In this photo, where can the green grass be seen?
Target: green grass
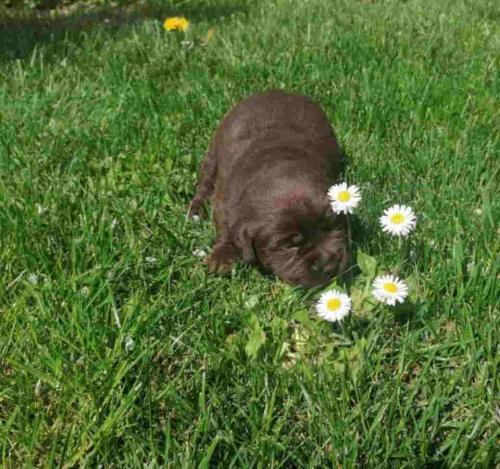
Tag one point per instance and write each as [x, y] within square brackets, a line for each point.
[101, 135]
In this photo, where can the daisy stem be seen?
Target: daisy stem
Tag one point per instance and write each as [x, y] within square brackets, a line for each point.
[404, 249]
[349, 243]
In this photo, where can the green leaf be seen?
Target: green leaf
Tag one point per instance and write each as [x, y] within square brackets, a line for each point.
[357, 298]
[256, 339]
[413, 287]
[367, 264]
[301, 340]
[332, 286]
[302, 316]
[278, 326]
[326, 352]
[205, 462]
[355, 354]
[362, 302]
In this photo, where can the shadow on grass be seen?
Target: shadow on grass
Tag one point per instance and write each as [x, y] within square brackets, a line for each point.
[406, 313]
[20, 33]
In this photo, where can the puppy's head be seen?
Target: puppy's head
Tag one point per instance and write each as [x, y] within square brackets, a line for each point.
[303, 241]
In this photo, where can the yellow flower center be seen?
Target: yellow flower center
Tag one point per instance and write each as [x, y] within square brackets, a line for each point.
[333, 304]
[344, 196]
[390, 287]
[397, 218]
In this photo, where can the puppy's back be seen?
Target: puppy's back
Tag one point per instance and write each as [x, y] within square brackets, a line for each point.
[267, 123]
[274, 114]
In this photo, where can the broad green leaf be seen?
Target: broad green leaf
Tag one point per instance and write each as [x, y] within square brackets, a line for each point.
[413, 287]
[256, 338]
[357, 298]
[355, 354]
[362, 302]
[367, 264]
[332, 286]
[278, 325]
[326, 352]
[301, 339]
[302, 316]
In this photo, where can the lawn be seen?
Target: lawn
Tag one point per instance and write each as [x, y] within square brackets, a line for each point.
[116, 347]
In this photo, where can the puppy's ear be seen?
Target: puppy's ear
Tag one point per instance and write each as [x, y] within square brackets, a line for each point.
[244, 242]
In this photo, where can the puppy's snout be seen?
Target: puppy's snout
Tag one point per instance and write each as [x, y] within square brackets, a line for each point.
[328, 261]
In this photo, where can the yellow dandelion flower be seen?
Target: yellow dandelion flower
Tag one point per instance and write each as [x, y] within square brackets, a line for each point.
[176, 23]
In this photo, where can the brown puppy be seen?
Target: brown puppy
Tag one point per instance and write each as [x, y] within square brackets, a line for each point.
[267, 171]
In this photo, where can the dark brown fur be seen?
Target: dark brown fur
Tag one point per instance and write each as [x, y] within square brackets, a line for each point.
[267, 171]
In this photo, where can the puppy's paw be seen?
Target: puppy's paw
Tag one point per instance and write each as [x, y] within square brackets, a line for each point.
[195, 209]
[219, 266]
[222, 259]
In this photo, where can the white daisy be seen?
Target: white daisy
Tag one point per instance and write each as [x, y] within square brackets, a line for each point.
[333, 305]
[398, 220]
[344, 199]
[389, 289]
